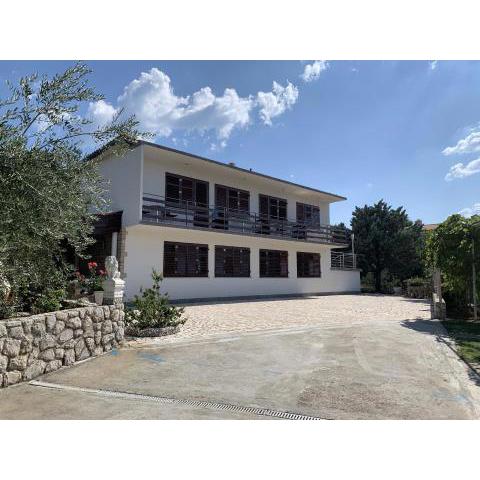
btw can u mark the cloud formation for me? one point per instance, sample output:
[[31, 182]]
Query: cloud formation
[[274, 103], [470, 211], [459, 170], [312, 71], [469, 144], [152, 99]]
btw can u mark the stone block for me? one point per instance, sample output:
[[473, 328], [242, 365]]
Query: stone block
[[16, 332], [11, 347], [59, 327], [50, 323], [53, 365], [59, 353], [98, 338], [18, 363], [3, 330], [62, 316], [3, 363], [66, 335], [90, 343], [78, 333], [74, 323], [47, 355], [13, 377], [38, 329], [98, 351], [69, 357], [107, 339], [72, 313], [26, 344], [48, 342], [34, 370], [107, 327], [83, 355], [79, 346]]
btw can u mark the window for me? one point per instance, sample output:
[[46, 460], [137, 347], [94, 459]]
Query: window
[[185, 260], [180, 189], [308, 264], [273, 208], [232, 261], [232, 199], [308, 214], [273, 263]]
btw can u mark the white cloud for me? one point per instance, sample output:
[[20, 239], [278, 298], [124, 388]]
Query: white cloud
[[469, 144], [101, 112], [433, 64], [312, 71], [274, 103], [470, 211], [460, 170], [152, 99]]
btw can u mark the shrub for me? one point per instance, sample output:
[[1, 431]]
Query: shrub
[[49, 301], [152, 309], [416, 282]]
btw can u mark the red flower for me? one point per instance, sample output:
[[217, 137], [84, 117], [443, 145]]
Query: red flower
[[92, 265]]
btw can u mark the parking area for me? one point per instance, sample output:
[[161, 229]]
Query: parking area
[[335, 357]]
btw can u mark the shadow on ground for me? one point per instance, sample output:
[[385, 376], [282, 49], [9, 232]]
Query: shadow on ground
[[435, 328]]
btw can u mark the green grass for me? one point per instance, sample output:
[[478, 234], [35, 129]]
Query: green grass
[[467, 336]]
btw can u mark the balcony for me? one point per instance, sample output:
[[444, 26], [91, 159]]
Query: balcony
[[343, 261], [158, 211]]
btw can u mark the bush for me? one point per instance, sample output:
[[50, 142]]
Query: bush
[[49, 301], [416, 282], [153, 309]]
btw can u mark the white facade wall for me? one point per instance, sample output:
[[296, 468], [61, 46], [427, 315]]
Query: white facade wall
[[144, 251], [125, 177]]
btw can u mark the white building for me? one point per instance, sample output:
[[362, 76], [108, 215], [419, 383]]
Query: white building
[[216, 230]]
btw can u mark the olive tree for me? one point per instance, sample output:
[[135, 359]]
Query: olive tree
[[49, 191]]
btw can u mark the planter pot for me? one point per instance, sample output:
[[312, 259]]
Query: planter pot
[[98, 297], [151, 332], [397, 290]]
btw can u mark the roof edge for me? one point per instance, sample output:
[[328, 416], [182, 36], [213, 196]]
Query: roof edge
[[216, 162]]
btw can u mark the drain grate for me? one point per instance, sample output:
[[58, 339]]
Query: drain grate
[[266, 412]]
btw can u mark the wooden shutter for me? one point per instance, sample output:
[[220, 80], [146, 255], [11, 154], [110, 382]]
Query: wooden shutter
[[232, 261], [185, 260], [308, 264], [273, 263]]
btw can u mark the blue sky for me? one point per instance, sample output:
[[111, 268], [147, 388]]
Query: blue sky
[[404, 131]]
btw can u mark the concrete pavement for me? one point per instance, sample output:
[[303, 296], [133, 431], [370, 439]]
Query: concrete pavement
[[382, 369]]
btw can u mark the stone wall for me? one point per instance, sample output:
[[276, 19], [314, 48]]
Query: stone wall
[[31, 346]]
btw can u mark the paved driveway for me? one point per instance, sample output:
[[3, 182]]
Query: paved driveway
[[337, 357]]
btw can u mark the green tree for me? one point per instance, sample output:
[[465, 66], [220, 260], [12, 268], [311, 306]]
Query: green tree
[[387, 242], [449, 248], [49, 192]]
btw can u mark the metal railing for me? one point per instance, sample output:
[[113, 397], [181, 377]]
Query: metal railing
[[343, 261], [158, 210]]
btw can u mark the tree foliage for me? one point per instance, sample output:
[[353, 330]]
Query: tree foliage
[[387, 242], [49, 192], [449, 248]]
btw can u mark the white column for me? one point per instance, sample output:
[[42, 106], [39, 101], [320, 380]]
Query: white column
[[113, 252]]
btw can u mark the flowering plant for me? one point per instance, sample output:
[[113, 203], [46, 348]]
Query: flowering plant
[[95, 278]]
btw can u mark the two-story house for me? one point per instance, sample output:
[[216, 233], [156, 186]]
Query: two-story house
[[216, 230]]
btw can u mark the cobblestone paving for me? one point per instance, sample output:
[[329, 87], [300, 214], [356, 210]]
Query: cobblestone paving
[[209, 319]]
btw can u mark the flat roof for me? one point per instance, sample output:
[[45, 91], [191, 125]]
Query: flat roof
[[222, 164]]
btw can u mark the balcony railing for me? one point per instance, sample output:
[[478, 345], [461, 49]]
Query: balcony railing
[[343, 261], [157, 210]]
